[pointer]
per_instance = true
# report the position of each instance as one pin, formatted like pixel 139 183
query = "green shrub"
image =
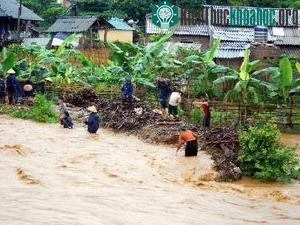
pixel 41 111
pixel 196 115
pixel 264 157
pixel 217 117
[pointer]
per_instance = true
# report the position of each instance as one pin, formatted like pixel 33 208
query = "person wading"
pixel 191 140
pixel 12 87
pixel 127 92
pixel 64 116
pixel 206 111
pixel 93 121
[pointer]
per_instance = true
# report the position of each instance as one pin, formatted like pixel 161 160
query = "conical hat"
pixel 92 109
pixel 28 87
pixel 11 71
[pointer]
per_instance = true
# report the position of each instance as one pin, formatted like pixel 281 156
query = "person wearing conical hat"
pixel 12 87
pixel 93 121
pixel 28 93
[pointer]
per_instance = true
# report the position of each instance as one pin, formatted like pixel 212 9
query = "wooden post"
pixel 19 22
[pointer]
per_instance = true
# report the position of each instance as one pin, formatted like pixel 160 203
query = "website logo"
pixel 165 15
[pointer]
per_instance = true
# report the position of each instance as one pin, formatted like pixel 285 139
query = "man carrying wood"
pixel 191 139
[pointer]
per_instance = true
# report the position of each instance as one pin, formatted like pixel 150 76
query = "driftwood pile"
pixel 114 113
pixel 223 144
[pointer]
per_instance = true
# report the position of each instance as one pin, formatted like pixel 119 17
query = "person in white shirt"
pixel 174 101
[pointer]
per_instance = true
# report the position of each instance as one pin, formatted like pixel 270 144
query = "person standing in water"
pixel 206 111
pixel 64 116
pixel 93 121
pixel 191 139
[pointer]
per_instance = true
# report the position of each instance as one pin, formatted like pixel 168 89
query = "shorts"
pixel 191 148
pixel 173 110
pixel 163 103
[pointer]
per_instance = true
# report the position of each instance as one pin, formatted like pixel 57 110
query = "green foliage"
pixel 7 61
pixel 264 157
pixel 283 83
pixel 41 111
pixel 196 115
pixel 246 86
pixel 217 117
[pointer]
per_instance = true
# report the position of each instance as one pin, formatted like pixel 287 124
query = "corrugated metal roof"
pixel 201 30
pixel 291 36
pixel 291 51
pixel 10 8
pixel 172 45
pixel 37 41
pixel 231 50
pixel 72 24
pixel 119 24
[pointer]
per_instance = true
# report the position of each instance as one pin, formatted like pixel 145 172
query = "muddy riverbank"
pixel 54 176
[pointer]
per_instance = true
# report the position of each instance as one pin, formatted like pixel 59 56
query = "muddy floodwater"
pixel 53 176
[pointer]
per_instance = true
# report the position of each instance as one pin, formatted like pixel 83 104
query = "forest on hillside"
pixel 133 9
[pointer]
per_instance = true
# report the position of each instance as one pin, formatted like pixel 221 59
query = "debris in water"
pixel 17 148
pixel 28 179
pixel 223 144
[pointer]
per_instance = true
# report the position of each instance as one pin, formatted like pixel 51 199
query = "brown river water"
pixel 66 177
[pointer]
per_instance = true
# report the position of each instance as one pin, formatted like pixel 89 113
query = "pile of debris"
pixel 83 98
pixel 223 145
pixel 114 113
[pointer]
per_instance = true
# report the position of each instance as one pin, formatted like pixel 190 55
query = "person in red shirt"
pixel 206 111
pixel 191 140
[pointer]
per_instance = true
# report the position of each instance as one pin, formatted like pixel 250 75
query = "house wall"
pixel 117 35
pixel 232 63
pixel 264 53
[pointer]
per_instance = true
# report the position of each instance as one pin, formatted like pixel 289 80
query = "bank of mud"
pixel 51 175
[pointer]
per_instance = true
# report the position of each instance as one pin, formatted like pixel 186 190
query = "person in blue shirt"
pixel 12 87
pixel 93 121
pixel 127 91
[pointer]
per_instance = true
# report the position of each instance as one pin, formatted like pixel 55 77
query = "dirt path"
pixel 66 177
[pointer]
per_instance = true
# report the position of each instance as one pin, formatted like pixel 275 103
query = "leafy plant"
pixel 283 83
pixel 42 111
pixel 264 157
pixel 8 60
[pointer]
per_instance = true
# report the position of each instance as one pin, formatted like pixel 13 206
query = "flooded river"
pixel 66 177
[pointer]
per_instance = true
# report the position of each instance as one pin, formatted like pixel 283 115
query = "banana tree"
pixel 283 87
pixel 135 61
pixel 246 85
pixel 283 84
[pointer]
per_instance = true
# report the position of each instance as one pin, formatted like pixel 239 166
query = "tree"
pixel 283 83
pixel 246 86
